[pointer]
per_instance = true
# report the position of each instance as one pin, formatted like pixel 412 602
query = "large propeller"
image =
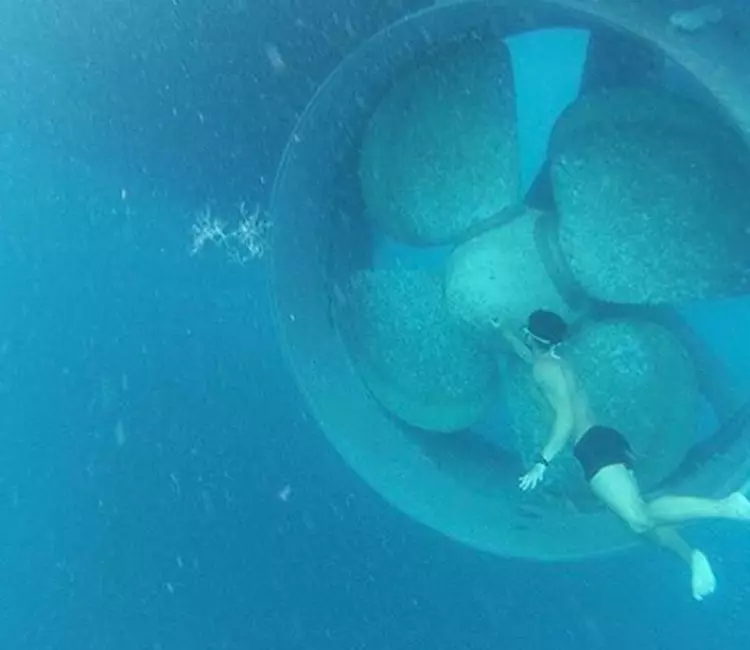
pixel 645 206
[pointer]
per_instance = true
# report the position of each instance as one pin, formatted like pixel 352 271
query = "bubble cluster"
pixel 247 240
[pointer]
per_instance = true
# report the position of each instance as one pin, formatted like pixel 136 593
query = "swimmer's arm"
pixel 555 389
pixel 514 341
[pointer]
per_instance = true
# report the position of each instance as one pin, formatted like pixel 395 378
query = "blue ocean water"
pixel 161 483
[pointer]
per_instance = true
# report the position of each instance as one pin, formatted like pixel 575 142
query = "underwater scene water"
pixel 253 261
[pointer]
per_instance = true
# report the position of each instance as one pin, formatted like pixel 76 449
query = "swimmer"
pixel 606 456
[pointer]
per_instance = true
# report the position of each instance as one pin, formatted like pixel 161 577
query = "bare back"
pixel 583 415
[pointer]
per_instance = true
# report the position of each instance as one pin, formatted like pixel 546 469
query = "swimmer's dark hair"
pixel 547 327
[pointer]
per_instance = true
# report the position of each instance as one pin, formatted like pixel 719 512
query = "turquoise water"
pixel 161 485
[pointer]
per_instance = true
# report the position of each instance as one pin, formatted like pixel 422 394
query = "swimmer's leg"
pixel 702 578
pixel 616 486
pixel 678 510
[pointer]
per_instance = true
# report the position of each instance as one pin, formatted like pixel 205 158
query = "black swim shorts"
pixel 600 447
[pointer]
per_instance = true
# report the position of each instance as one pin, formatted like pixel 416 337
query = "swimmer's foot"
pixel 738 506
pixel 703 578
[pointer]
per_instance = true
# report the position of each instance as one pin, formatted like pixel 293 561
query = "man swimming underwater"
pixel 605 455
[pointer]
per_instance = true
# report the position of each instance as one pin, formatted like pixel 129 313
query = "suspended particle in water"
pixel 285 493
pixel 274 57
pixel 120 435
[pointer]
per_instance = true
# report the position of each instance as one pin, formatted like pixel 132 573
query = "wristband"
pixel 541 460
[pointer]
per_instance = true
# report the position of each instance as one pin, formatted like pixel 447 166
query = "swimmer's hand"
pixel 508 328
pixel 510 331
pixel 531 479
